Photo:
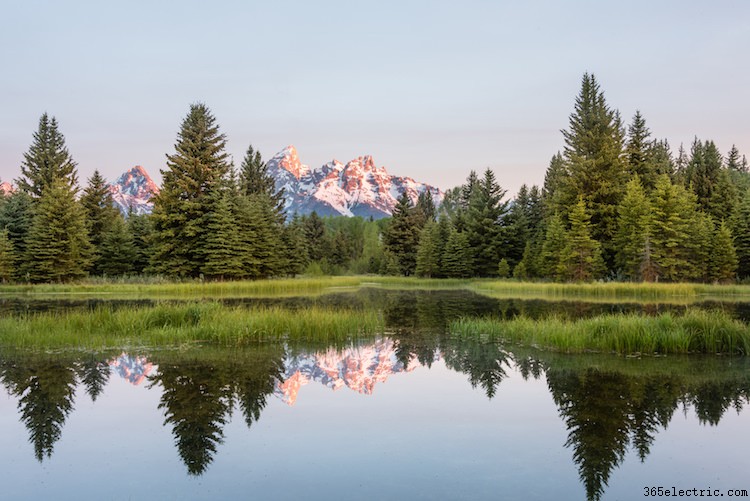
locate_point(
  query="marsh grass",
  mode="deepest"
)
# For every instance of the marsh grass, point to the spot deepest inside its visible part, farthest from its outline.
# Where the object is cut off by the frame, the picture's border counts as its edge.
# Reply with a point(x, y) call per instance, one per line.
point(183, 325)
point(708, 332)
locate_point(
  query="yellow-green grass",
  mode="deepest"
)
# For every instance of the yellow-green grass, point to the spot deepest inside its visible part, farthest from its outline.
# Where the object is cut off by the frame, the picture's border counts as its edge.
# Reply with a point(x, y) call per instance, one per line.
point(708, 332)
point(183, 324)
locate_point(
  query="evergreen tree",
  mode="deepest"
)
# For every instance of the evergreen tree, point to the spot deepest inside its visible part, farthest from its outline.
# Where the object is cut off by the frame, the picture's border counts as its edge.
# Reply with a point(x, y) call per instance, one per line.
point(223, 250)
point(638, 151)
point(15, 217)
point(723, 255)
point(661, 159)
point(428, 253)
point(503, 268)
point(633, 230)
point(594, 160)
point(293, 247)
point(552, 193)
point(735, 162)
point(710, 183)
point(581, 258)
point(701, 231)
point(117, 251)
point(255, 180)
point(315, 236)
point(58, 248)
point(401, 237)
point(483, 224)
point(47, 160)
point(673, 213)
point(456, 256)
point(740, 226)
point(141, 232)
point(426, 206)
point(553, 247)
point(100, 215)
point(198, 167)
point(7, 258)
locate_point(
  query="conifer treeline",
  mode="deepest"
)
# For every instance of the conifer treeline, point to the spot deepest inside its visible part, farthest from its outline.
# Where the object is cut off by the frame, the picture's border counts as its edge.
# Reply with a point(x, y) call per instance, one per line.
point(616, 204)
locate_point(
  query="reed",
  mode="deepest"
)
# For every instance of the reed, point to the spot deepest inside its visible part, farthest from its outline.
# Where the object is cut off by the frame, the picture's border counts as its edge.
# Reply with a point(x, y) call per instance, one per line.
point(183, 324)
point(708, 332)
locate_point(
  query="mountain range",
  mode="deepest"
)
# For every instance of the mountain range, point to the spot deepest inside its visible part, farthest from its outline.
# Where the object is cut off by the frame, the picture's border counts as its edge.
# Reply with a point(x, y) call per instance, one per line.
point(357, 188)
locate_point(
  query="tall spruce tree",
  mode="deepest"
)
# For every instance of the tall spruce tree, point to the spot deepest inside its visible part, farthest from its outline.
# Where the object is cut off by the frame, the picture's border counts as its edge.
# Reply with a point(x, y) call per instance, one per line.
point(223, 248)
point(15, 217)
point(638, 151)
point(711, 183)
point(7, 258)
point(555, 241)
point(255, 180)
point(581, 257)
point(57, 245)
point(484, 231)
point(117, 252)
point(633, 231)
point(100, 216)
point(740, 226)
point(428, 253)
point(596, 169)
point(140, 229)
point(723, 256)
point(197, 168)
point(401, 237)
point(47, 160)
point(673, 213)
point(456, 257)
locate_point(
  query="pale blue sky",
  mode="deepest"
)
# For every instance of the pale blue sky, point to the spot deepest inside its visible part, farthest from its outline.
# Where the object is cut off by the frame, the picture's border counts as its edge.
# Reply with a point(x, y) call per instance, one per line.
point(431, 89)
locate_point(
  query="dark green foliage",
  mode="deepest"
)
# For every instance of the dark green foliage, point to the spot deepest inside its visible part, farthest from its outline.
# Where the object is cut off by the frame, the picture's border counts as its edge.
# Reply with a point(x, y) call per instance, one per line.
point(223, 249)
point(47, 160)
point(711, 183)
point(596, 169)
point(15, 216)
point(554, 179)
point(293, 248)
point(673, 214)
point(723, 259)
point(401, 237)
point(255, 180)
point(198, 167)
point(58, 249)
point(638, 151)
point(7, 258)
point(555, 242)
point(117, 251)
point(503, 268)
point(100, 216)
point(94, 375)
point(315, 237)
point(260, 236)
point(581, 258)
point(633, 232)
point(484, 223)
point(426, 207)
point(429, 252)
point(456, 262)
point(740, 226)
point(141, 231)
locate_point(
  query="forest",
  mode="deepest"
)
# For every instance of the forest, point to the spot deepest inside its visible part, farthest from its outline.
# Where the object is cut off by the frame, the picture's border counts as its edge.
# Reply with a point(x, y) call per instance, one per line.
point(617, 204)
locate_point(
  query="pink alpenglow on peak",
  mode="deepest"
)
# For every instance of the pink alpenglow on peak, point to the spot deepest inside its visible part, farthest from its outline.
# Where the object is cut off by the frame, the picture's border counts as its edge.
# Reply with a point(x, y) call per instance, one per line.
point(6, 188)
point(133, 190)
point(357, 188)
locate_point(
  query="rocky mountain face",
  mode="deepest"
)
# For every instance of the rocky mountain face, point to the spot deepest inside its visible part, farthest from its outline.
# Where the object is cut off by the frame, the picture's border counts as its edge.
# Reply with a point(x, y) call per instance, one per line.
point(134, 189)
point(357, 368)
point(357, 188)
point(6, 188)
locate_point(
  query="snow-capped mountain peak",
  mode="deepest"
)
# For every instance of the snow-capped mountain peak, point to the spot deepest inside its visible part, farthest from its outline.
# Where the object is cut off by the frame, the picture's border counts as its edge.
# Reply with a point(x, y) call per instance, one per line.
point(357, 188)
point(134, 189)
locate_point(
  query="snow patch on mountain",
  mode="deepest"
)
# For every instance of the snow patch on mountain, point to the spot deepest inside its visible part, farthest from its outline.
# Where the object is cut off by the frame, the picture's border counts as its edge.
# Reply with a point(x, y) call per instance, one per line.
point(357, 188)
point(134, 190)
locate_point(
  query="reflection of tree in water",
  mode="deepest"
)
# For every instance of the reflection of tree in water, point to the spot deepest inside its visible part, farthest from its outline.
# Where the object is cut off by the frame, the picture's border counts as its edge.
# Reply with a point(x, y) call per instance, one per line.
point(485, 363)
point(199, 395)
point(45, 388)
point(713, 398)
point(94, 375)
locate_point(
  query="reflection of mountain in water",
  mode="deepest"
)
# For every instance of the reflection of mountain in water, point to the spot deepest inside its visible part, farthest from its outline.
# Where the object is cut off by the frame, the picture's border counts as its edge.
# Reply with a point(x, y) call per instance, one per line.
point(358, 368)
point(132, 368)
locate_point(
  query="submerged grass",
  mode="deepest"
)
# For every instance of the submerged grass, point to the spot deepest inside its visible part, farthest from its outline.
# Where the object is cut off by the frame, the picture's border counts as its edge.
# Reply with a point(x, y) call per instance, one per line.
point(184, 324)
point(708, 332)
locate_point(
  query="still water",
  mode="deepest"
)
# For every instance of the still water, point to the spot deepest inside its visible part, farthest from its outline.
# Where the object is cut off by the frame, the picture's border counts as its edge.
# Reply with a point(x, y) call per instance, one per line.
point(417, 413)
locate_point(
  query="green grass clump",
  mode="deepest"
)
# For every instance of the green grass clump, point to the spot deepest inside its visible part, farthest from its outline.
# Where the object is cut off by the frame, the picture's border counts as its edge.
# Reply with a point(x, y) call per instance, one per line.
point(177, 325)
point(707, 332)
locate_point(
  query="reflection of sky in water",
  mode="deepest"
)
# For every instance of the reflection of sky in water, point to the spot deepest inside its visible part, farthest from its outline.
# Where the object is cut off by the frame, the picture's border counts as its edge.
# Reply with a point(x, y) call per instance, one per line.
point(422, 434)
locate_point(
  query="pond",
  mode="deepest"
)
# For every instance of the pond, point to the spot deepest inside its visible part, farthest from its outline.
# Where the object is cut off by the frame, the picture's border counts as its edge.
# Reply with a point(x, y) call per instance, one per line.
point(415, 413)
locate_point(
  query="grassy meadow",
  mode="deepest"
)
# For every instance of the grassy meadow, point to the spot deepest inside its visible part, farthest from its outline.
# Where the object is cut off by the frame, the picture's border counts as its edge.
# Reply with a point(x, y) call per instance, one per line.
point(197, 316)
